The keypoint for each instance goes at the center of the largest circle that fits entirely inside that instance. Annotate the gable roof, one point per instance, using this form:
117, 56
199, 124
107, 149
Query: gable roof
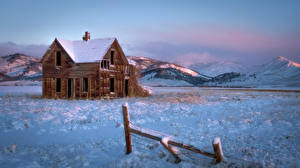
86, 51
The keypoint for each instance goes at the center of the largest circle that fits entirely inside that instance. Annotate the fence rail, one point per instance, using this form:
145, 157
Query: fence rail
166, 140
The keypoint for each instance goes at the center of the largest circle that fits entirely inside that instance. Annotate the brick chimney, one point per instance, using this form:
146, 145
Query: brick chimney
87, 36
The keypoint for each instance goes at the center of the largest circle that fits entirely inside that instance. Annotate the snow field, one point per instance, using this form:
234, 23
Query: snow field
258, 129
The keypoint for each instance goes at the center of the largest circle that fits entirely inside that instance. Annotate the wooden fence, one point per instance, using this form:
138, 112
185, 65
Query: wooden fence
166, 141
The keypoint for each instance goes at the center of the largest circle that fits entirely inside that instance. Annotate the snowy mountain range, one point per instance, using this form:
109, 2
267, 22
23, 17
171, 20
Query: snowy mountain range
282, 67
217, 68
20, 66
160, 73
280, 72
277, 73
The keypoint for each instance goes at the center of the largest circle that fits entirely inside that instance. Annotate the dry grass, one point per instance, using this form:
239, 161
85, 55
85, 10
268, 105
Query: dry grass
190, 98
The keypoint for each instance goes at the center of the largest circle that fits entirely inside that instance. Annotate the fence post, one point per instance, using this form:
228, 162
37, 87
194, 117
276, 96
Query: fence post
126, 128
218, 149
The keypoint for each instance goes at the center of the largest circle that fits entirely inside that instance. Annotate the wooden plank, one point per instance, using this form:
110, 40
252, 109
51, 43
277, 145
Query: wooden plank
191, 148
171, 149
126, 129
171, 142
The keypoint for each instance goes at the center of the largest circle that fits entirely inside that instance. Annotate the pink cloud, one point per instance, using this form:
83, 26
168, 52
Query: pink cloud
191, 58
222, 37
186, 45
229, 38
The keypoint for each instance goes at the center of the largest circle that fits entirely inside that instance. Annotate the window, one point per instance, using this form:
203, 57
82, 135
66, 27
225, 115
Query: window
112, 57
127, 69
112, 85
104, 64
85, 84
58, 84
58, 58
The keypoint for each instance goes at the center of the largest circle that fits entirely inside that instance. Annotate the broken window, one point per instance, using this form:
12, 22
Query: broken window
112, 57
104, 64
58, 58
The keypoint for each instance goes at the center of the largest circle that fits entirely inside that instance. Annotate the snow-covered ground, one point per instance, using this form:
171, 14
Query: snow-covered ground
21, 83
150, 80
257, 128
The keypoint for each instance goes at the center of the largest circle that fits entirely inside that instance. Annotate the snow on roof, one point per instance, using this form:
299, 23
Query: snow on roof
87, 51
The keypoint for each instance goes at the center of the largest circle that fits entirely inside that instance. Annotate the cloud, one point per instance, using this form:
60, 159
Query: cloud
225, 39
192, 58
31, 50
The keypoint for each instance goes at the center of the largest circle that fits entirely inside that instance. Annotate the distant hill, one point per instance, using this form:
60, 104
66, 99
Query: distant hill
218, 68
281, 67
280, 72
20, 66
4, 77
160, 73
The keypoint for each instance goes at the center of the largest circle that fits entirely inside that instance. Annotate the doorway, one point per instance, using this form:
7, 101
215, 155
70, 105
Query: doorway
70, 87
112, 85
126, 87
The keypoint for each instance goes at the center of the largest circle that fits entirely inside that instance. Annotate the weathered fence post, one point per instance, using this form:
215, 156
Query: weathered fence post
218, 149
126, 128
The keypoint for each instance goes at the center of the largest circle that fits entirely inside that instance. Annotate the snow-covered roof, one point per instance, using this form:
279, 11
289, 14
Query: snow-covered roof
86, 51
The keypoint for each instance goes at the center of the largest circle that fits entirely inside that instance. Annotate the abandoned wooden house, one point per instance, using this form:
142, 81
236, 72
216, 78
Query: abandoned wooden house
88, 69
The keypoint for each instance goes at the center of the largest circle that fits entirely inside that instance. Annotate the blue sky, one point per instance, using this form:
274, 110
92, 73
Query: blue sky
183, 31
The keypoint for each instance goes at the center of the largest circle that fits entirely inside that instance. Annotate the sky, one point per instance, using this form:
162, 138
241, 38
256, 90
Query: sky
179, 31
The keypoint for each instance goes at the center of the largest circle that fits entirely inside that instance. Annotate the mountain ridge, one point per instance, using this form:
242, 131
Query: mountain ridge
172, 74
216, 68
20, 66
280, 71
